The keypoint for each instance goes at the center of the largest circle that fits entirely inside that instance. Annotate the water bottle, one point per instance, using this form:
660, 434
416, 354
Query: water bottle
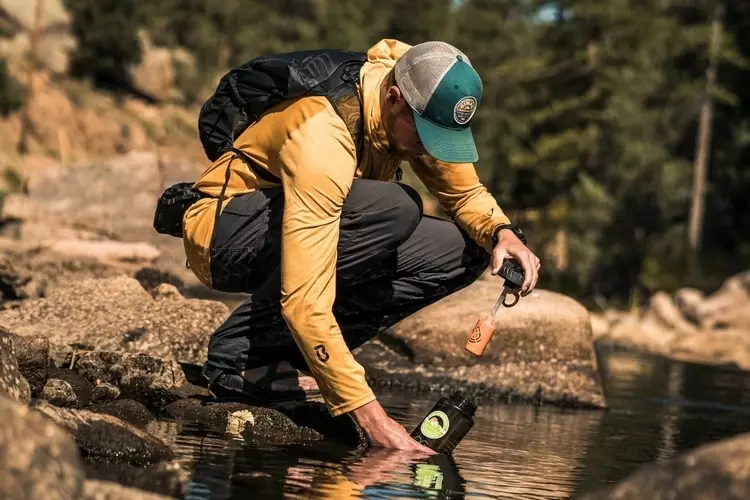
447, 423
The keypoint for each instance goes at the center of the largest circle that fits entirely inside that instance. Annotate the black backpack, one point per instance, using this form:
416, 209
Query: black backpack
245, 93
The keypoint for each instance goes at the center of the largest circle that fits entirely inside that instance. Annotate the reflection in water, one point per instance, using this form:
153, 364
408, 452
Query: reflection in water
658, 409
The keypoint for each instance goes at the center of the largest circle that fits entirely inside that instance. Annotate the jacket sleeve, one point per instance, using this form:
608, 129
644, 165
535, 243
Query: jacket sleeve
462, 196
317, 169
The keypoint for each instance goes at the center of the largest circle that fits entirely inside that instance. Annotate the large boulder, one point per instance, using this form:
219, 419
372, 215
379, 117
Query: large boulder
716, 470
543, 326
119, 314
12, 383
37, 458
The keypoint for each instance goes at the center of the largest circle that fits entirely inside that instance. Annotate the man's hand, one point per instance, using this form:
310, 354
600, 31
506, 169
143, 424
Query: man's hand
509, 246
382, 431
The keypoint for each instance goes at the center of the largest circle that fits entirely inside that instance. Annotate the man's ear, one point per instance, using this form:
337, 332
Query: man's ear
395, 98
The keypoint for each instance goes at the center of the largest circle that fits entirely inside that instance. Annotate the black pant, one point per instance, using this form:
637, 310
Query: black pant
392, 261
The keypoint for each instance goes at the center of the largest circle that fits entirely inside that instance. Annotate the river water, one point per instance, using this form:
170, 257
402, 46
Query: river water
657, 409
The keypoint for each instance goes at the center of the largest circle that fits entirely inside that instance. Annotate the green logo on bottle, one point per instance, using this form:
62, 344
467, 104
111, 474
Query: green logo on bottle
435, 425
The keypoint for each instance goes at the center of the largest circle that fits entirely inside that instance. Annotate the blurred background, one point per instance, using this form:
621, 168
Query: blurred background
616, 133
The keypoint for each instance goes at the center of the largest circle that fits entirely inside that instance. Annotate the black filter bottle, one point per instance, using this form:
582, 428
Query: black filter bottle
447, 423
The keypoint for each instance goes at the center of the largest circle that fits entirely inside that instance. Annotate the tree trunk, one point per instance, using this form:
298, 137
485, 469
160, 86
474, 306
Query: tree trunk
703, 144
23, 146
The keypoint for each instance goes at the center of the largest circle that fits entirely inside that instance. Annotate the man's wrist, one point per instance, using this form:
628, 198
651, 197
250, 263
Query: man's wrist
510, 227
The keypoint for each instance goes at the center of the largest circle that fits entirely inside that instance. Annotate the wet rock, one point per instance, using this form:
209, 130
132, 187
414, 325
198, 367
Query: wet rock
542, 326
126, 410
103, 437
37, 458
163, 478
118, 314
12, 383
104, 392
59, 393
147, 378
263, 424
316, 416
33, 356
716, 470
106, 490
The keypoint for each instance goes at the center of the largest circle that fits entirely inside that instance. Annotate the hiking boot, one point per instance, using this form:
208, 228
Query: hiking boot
262, 385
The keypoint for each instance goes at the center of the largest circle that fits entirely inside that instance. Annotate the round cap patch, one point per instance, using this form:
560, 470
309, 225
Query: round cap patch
435, 425
464, 110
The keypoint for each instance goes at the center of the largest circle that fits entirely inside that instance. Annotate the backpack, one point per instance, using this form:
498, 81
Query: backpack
245, 93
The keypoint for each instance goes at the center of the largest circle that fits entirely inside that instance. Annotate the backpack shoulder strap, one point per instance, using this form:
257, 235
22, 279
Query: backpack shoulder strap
345, 99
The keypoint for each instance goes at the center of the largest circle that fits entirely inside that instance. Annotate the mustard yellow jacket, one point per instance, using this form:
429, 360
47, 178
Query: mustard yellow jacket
307, 146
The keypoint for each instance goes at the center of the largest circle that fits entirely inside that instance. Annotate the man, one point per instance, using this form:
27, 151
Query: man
334, 252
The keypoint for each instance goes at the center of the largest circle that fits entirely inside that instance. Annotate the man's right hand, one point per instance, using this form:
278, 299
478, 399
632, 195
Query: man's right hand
381, 430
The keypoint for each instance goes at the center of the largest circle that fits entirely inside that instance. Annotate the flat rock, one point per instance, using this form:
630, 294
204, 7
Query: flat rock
715, 470
12, 383
106, 490
103, 437
37, 458
163, 478
118, 314
139, 376
104, 392
126, 410
33, 356
543, 326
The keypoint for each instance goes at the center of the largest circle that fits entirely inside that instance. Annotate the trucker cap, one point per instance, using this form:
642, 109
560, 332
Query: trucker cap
443, 89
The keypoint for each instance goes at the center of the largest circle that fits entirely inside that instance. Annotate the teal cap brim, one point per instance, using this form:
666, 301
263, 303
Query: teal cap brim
445, 144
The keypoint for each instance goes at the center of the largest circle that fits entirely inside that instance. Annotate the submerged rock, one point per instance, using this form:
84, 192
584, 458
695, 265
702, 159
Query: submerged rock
118, 314
716, 470
37, 458
12, 383
126, 410
105, 438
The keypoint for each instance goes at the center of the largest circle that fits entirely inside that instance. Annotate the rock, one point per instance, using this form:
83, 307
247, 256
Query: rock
541, 327
126, 410
729, 306
729, 347
715, 470
688, 301
118, 314
80, 387
37, 458
150, 278
256, 423
33, 356
316, 416
105, 490
108, 252
155, 74
163, 478
12, 383
105, 438
647, 334
599, 325
18, 282
59, 393
147, 378
104, 392
665, 311
567, 384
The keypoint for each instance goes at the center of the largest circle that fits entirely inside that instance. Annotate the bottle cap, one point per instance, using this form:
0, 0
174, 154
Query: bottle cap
464, 403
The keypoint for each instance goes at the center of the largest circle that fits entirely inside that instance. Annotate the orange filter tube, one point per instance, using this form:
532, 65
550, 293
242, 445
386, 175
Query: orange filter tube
480, 336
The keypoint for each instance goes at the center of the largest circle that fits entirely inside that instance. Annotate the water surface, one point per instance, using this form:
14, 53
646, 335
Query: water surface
658, 409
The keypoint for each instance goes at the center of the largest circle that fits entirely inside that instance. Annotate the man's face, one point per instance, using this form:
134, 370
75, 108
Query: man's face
400, 126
